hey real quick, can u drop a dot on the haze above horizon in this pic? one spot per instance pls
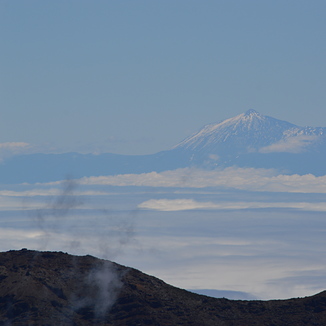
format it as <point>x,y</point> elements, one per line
<point>138,77</point>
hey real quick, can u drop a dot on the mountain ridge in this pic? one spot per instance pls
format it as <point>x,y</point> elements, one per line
<point>249,140</point>
<point>263,131</point>
<point>55,288</point>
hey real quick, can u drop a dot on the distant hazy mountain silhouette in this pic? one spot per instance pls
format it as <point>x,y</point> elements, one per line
<point>54,288</point>
<point>247,140</point>
<point>254,140</point>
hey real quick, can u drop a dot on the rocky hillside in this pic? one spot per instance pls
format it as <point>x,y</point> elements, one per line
<point>54,288</point>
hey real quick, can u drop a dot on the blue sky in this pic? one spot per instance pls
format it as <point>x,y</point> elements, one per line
<point>136,77</point>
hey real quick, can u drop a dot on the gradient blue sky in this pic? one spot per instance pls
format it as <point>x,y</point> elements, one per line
<point>136,77</point>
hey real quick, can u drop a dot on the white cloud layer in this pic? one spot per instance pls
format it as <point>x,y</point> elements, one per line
<point>189,204</point>
<point>295,144</point>
<point>49,192</point>
<point>13,148</point>
<point>271,253</point>
<point>237,178</point>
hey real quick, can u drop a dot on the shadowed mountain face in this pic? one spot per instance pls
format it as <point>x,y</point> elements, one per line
<point>247,131</point>
<point>253,140</point>
<point>248,140</point>
<point>54,288</point>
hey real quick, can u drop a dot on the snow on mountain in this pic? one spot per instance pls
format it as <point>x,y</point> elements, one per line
<point>253,140</point>
<point>248,132</point>
<point>248,140</point>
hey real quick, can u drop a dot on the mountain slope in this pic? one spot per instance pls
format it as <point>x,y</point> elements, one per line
<point>54,288</point>
<point>246,129</point>
<point>247,140</point>
<point>249,132</point>
<point>254,140</point>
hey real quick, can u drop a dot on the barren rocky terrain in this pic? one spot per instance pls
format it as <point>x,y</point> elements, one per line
<point>55,288</point>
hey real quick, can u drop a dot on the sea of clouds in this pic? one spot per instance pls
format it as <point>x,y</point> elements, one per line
<point>247,230</point>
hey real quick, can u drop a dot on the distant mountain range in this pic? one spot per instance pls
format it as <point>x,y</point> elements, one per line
<point>248,140</point>
<point>253,140</point>
<point>54,288</point>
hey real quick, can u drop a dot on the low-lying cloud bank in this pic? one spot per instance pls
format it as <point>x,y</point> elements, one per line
<point>48,192</point>
<point>295,144</point>
<point>189,204</point>
<point>236,178</point>
<point>13,148</point>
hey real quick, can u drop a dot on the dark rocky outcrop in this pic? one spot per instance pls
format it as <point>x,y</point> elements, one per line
<point>55,288</point>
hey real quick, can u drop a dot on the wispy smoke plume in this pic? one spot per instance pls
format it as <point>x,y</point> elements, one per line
<point>108,283</point>
<point>53,216</point>
<point>59,221</point>
<point>116,234</point>
<point>103,284</point>
<point>111,232</point>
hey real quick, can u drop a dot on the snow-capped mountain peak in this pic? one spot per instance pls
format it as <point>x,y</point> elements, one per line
<point>249,119</point>
<point>248,140</point>
<point>251,112</point>
<point>246,132</point>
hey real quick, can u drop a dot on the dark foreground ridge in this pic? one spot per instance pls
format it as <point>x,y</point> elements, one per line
<point>55,288</point>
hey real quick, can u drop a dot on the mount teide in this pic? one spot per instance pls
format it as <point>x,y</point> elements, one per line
<point>248,140</point>
<point>253,140</point>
